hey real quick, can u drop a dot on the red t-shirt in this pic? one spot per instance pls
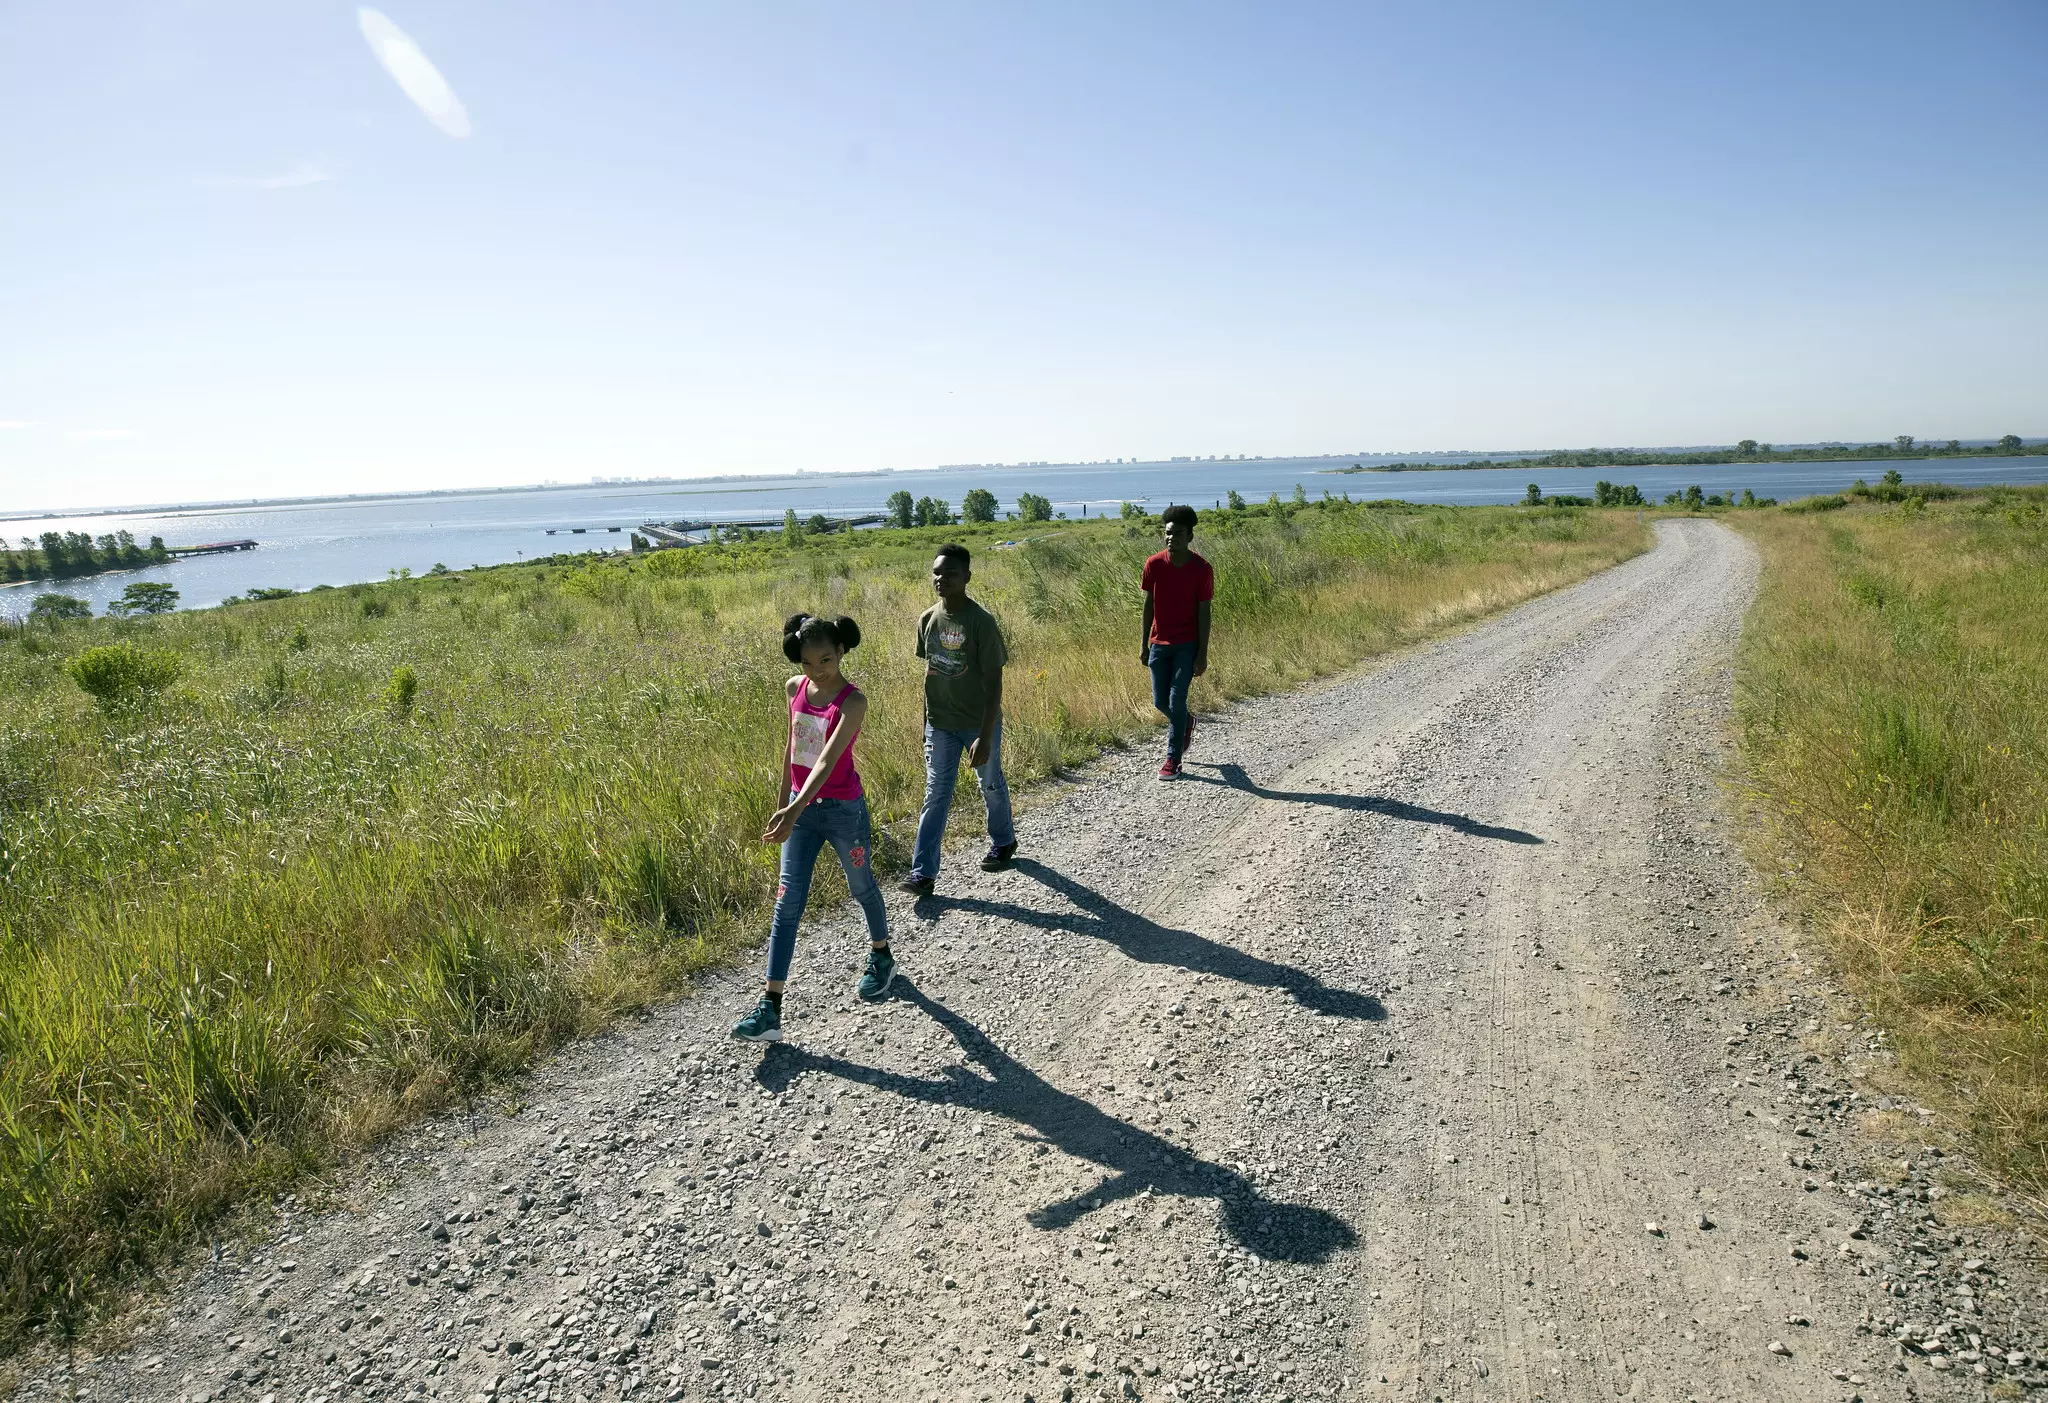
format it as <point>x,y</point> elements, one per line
<point>1175,591</point>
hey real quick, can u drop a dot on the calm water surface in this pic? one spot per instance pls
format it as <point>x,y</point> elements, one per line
<point>338,543</point>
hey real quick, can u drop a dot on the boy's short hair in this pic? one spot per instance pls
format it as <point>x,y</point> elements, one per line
<point>959,553</point>
<point>1180,512</point>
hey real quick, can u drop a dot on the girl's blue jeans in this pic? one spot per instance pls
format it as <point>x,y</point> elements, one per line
<point>844,824</point>
<point>1173,672</point>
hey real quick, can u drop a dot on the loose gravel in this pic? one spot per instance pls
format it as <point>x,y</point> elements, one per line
<point>1432,1039</point>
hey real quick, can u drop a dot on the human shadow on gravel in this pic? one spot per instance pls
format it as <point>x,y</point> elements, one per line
<point>1135,1158</point>
<point>1235,777</point>
<point>1099,918</point>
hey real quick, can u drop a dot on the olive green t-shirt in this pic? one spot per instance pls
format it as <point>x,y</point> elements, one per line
<point>963,654</point>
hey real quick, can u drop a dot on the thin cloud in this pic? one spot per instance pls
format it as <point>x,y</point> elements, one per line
<point>414,72</point>
<point>303,174</point>
<point>17,423</point>
<point>99,433</point>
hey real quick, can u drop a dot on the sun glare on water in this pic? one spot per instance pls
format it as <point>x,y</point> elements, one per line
<point>414,72</point>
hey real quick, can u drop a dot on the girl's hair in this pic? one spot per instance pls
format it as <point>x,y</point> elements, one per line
<point>799,629</point>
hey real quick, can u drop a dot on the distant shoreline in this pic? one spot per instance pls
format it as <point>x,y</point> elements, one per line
<point>1514,458</point>
<point>1624,458</point>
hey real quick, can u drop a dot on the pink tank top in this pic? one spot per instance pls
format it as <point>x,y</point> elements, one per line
<point>809,728</point>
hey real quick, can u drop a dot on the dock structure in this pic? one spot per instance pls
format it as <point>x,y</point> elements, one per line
<point>212,548</point>
<point>582,530</point>
<point>665,534</point>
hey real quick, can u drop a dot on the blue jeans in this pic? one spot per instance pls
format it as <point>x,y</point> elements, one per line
<point>1173,671</point>
<point>942,752</point>
<point>844,824</point>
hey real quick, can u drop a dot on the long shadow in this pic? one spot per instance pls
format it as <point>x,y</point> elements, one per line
<point>1135,1158</point>
<point>1099,918</point>
<point>1235,777</point>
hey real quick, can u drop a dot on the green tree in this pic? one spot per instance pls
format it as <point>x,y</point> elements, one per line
<point>119,673</point>
<point>1904,442</point>
<point>1694,498</point>
<point>1746,447</point>
<point>901,508</point>
<point>1534,497</point>
<point>818,524</point>
<point>1032,507</point>
<point>978,505</point>
<point>792,529</point>
<point>53,609</point>
<point>2009,444</point>
<point>145,597</point>
<point>931,511</point>
<point>1300,497</point>
<point>1131,511</point>
<point>1893,477</point>
<point>1235,502</point>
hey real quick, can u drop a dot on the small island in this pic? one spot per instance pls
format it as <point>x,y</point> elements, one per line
<point>69,554</point>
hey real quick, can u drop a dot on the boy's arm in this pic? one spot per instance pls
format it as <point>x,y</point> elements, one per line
<point>1145,632</point>
<point>991,715</point>
<point>1201,638</point>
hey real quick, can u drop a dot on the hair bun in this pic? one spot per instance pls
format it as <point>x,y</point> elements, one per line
<point>848,631</point>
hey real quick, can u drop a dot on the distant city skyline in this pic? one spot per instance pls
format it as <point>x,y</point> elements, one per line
<point>265,251</point>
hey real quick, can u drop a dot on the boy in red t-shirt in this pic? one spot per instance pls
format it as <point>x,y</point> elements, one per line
<point>1178,587</point>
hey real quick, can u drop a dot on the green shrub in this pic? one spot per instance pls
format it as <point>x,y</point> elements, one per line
<point>116,674</point>
<point>401,689</point>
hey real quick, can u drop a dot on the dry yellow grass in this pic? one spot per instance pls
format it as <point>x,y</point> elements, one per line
<point>1894,707</point>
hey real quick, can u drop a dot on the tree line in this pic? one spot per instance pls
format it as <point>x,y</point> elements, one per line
<point>1747,451</point>
<point>65,554</point>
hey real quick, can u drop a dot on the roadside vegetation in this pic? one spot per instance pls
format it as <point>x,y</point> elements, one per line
<point>1893,694</point>
<point>282,875</point>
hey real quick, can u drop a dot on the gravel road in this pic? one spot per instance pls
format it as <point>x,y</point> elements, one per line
<point>1431,1040</point>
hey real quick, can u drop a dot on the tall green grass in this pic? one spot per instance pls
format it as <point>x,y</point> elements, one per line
<point>380,844</point>
<point>1894,705</point>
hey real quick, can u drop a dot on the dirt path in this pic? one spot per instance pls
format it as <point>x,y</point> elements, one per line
<point>1430,1041</point>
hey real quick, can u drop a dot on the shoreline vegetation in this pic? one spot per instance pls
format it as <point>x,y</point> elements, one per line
<point>1892,702</point>
<point>1748,451</point>
<point>68,555</point>
<point>284,876</point>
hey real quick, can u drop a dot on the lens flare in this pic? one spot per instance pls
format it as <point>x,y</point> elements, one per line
<point>414,72</point>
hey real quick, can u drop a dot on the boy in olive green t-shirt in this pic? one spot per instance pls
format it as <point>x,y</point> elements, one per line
<point>962,646</point>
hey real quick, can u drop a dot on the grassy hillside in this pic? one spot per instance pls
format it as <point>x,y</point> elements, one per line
<point>1894,705</point>
<point>318,863</point>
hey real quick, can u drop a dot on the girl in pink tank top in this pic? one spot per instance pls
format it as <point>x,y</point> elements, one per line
<point>823,803</point>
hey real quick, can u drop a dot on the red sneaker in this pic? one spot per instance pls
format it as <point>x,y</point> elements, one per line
<point>1170,770</point>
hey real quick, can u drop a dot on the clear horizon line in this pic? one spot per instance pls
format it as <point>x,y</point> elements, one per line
<point>550,485</point>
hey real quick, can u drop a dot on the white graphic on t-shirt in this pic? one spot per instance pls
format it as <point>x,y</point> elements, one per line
<point>949,657</point>
<point>807,736</point>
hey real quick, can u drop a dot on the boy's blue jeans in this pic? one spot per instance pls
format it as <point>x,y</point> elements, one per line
<point>1173,672</point>
<point>844,824</point>
<point>942,752</point>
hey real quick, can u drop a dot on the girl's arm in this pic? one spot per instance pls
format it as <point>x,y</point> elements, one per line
<point>788,744</point>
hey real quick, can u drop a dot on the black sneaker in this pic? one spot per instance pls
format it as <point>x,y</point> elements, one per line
<point>997,858</point>
<point>916,886</point>
<point>879,975</point>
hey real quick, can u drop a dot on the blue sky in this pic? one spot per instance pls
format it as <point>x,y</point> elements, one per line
<point>235,259</point>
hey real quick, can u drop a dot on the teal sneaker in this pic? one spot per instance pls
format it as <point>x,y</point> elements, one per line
<point>880,974</point>
<point>763,1025</point>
